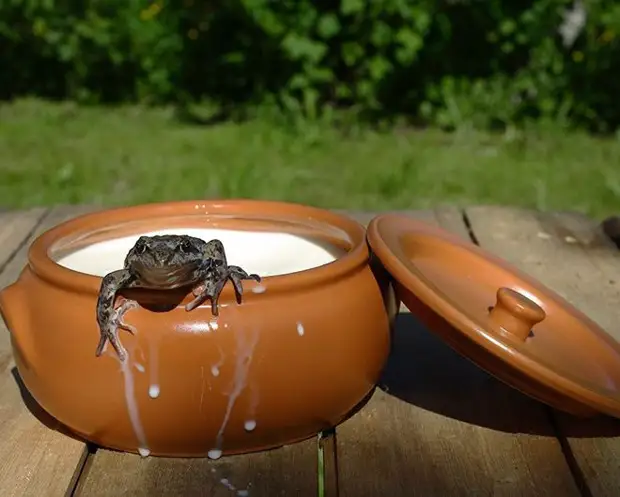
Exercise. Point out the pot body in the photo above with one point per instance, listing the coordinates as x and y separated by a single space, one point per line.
277 368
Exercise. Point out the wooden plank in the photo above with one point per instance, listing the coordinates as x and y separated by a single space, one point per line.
581 228
442 427
35 459
289 470
573 259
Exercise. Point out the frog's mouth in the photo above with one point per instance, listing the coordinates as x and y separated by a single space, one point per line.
167 277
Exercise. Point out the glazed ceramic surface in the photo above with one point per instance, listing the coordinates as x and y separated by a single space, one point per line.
304 347
500 318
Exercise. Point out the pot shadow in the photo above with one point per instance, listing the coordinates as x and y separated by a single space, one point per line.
38 412
424 371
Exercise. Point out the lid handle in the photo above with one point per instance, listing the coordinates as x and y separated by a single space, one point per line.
514 314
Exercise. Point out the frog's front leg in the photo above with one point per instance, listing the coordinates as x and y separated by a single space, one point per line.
109 318
214 284
209 289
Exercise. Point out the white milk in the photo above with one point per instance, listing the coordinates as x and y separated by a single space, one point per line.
263 253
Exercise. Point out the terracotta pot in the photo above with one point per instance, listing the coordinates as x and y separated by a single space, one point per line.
300 352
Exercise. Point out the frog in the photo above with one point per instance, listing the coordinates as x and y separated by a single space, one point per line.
165 262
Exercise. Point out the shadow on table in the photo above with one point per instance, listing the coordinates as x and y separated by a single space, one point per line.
424 371
38 412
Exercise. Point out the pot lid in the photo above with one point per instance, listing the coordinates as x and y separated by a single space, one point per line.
500 318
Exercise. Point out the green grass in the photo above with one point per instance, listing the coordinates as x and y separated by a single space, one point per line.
60 153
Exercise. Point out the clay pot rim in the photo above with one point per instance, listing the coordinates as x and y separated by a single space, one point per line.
356 256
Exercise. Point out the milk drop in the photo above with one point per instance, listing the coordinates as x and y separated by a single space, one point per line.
214 454
154 391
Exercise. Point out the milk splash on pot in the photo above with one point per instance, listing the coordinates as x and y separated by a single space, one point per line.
245 350
132 407
154 389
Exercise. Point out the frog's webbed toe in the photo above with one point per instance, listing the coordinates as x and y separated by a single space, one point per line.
120 312
210 289
237 275
109 330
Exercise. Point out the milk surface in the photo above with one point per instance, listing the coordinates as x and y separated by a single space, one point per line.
263 253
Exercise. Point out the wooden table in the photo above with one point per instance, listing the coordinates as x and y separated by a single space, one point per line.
438 426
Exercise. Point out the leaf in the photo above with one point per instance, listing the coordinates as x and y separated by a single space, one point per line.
348 7
507 26
507 47
66 52
352 53
378 67
365 89
310 100
268 21
426 109
404 56
301 47
235 57
298 81
381 34
39 27
343 91
321 74
328 26
410 42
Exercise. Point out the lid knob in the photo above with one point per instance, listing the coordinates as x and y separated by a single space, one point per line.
514 314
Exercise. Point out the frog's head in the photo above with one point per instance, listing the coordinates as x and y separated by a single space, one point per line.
166 261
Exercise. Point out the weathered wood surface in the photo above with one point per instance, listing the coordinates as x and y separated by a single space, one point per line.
282 472
438 427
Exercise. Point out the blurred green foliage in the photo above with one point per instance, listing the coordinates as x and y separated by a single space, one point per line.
447 62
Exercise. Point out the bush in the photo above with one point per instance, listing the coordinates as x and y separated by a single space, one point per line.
448 62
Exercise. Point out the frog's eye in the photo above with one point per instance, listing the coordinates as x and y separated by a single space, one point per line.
186 246
140 246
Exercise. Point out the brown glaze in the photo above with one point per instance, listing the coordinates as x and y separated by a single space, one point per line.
291 386
500 318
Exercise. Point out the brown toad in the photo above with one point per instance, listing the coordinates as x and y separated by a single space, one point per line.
165 262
